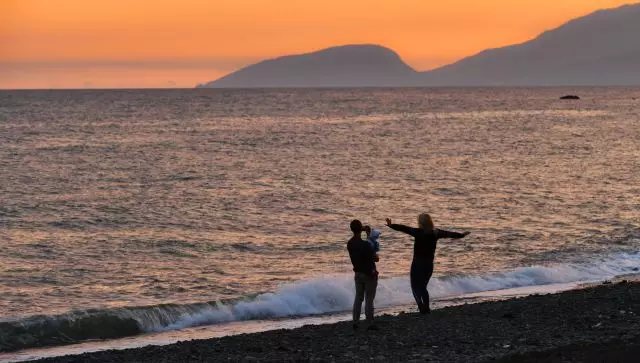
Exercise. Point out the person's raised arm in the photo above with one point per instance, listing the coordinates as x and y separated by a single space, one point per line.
401 228
441 233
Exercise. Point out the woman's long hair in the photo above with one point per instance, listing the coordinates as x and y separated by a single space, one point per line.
425 222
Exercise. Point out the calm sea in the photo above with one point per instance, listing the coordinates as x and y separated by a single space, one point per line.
235 205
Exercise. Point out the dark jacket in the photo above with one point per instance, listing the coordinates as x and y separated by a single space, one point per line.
362 256
424 245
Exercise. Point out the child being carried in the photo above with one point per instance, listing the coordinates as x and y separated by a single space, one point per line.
372 237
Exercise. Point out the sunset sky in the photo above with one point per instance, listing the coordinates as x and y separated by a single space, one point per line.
163 43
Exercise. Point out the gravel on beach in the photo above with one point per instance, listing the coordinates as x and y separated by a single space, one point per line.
600 323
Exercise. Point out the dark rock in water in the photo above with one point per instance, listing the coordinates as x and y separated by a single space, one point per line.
570 97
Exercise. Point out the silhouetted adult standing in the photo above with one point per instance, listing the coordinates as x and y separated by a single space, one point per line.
366 277
425 237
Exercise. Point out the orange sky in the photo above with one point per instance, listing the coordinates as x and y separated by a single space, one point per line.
162 43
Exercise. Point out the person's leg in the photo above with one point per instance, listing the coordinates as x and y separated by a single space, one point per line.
428 271
370 295
359 297
416 286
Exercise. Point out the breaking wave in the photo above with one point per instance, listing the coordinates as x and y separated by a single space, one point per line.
321 295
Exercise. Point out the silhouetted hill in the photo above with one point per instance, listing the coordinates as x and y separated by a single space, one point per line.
345 66
602 48
599 49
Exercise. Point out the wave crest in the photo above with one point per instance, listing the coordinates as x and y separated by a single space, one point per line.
327 294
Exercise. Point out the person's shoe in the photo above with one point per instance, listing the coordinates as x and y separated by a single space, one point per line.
373 327
355 326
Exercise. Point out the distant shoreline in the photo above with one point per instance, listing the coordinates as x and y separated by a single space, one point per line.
575 324
251 89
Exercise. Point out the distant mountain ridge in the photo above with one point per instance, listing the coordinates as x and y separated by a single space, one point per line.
344 66
602 48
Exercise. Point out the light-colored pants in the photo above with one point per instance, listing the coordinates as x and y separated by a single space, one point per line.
365 291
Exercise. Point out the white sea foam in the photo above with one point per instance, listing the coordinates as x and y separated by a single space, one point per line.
313 297
332 294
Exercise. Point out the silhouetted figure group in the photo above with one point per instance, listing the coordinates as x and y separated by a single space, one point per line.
363 255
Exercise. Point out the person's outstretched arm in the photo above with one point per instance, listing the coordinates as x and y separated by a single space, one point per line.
401 228
441 233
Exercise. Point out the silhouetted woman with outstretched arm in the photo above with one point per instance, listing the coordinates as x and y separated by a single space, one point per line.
425 237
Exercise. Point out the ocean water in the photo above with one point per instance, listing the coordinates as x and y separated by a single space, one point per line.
125 212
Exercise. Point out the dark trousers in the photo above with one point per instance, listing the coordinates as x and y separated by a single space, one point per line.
365 291
421 272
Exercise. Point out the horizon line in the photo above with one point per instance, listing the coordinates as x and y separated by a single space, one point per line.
208 89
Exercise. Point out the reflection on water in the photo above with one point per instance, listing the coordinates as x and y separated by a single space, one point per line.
129 198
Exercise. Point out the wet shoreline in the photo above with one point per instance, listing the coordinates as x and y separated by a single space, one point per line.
542 326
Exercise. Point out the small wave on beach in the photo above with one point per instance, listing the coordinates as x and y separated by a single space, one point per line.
322 295
335 293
